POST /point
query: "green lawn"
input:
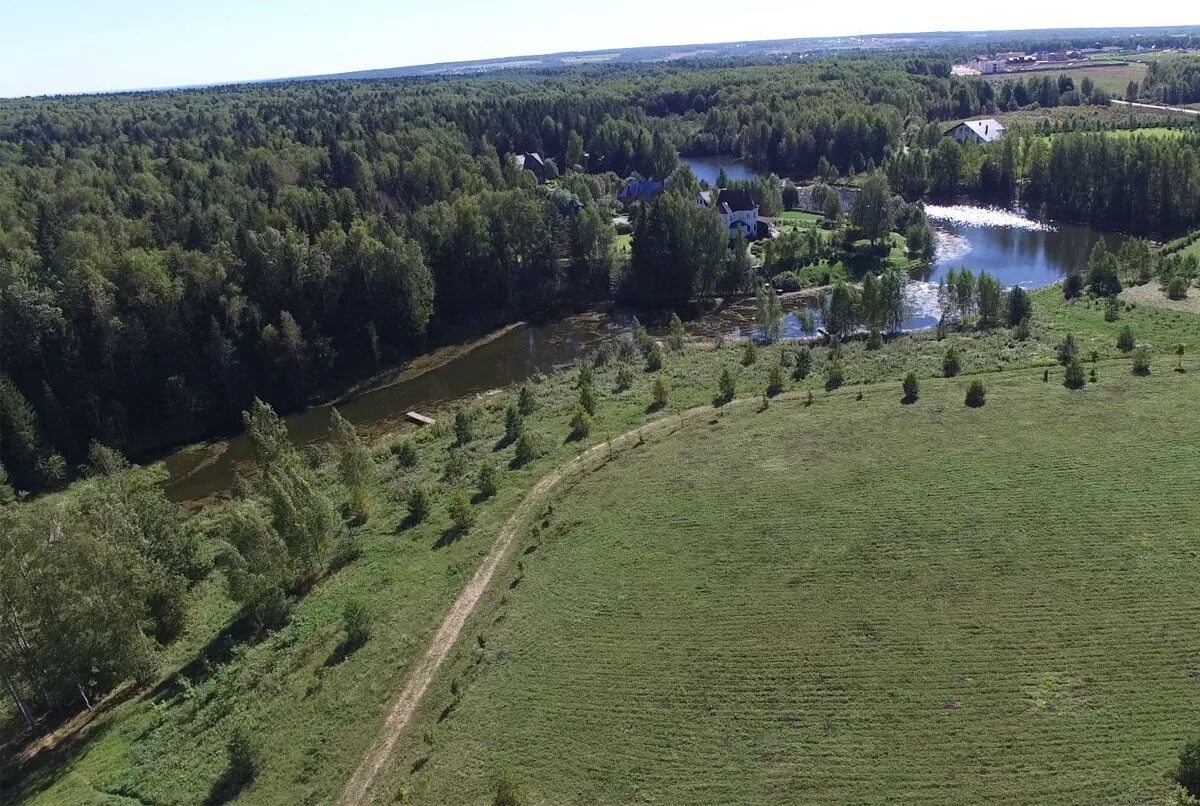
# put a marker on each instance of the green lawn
(857, 601)
(314, 714)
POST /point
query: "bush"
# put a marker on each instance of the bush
(624, 378)
(1073, 286)
(464, 426)
(1112, 309)
(509, 791)
(950, 363)
(581, 422)
(654, 357)
(1177, 288)
(1021, 333)
(525, 402)
(749, 353)
(835, 374)
(675, 340)
(1067, 350)
(726, 388)
(419, 503)
(526, 450)
(803, 364)
(462, 514)
(775, 381)
(874, 340)
(1187, 774)
(976, 395)
(661, 393)
(911, 388)
(1125, 341)
(1141, 361)
(489, 480)
(405, 452)
(456, 465)
(1073, 378)
(356, 623)
(587, 399)
(514, 423)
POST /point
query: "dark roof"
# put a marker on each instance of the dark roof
(533, 156)
(735, 200)
(640, 190)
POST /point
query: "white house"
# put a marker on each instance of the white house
(736, 208)
(976, 131)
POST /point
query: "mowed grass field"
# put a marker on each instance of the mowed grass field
(1113, 78)
(849, 601)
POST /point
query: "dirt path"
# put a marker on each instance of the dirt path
(358, 788)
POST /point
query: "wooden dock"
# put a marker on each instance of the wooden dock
(420, 419)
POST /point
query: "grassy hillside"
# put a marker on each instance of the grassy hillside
(851, 601)
(313, 711)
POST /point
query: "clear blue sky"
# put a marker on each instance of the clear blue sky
(53, 46)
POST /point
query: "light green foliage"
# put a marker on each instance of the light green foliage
(726, 388)
(581, 422)
(462, 513)
(355, 466)
(675, 340)
(768, 312)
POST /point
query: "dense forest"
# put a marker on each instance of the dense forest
(167, 257)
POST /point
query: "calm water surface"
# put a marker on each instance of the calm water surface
(1009, 246)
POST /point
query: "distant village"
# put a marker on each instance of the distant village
(1020, 61)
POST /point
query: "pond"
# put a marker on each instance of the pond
(1006, 244)
(707, 169)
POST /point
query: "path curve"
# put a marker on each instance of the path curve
(359, 787)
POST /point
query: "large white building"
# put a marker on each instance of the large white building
(977, 131)
(736, 208)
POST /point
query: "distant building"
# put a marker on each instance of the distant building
(532, 161)
(988, 66)
(735, 207)
(977, 131)
(641, 191)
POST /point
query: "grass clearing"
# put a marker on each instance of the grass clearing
(851, 601)
(315, 713)
(1112, 77)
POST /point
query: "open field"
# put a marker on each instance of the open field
(857, 601)
(1151, 294)
(316, 712)
(1110, 116)
(1114, 78)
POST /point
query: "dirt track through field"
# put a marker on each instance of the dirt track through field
(359, 787)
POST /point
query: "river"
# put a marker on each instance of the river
(1013, 248)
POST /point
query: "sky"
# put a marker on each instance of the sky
(64, 46)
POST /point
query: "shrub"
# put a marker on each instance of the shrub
(526, 450)
(775, 381)
(1067, 350)
(1045, 376)
(662, 393)
(405, 452)
(456, 465)
(419, 503)
(803, 364)
(356, 623)
(514, 423)
(835, 375)
(489, 479)
(462, 514)
(624, 378)
(911, 387)
(525, 402)
(950, 362)
(1092, 375)
(654, 357)
(581, 422)
(587, 399)
(1073, 286)
(1179, 348)
(1112, 309)
(1141, 361)
(509, 791)
(874, 340)
(749, 353)
(1125, 341)
(242, 763)
(1187, 774)
(1073, 378)
(1177, 288)
(726, 388)
(675, 340)
(976, 395)
(464, 426)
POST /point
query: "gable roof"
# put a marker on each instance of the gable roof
(987, 130)
(640, 190)
(735, 200)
